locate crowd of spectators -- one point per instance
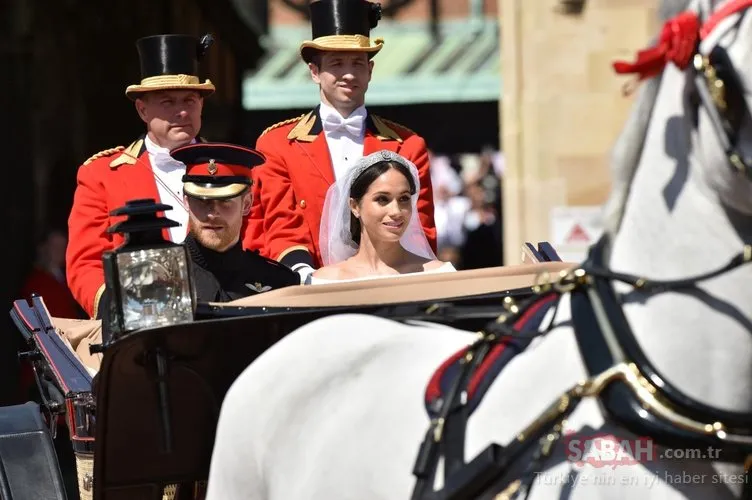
(468, 208)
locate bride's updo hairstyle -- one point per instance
(364, 180)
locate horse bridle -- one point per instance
(716, 82)
(720, 92)
(490, 474)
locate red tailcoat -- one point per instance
(105, 181)
(290, 188)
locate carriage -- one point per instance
(670, 355)
(146, 404)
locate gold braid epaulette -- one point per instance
(391, 122)
(103, 153)
(283, 122)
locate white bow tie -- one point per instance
(165, 162)
(351, 125)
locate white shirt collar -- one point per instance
(161, 156)
(153, 148)
(326, 110)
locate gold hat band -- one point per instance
(359, 43)
(168, 82)
(214, 193)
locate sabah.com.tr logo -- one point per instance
(607, 450)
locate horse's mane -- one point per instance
(626, 153)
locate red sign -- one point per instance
(578, 235)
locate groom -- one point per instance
(305, 155)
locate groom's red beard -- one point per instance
(216, 235)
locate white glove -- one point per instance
(304, 270)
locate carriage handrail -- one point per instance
(543, 252)
(34, 323)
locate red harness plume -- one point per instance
(678, 42)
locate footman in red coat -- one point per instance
(169, 100)
(305, 155)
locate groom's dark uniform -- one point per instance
(234, 273)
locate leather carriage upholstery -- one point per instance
(29, 469)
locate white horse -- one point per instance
(335, 410)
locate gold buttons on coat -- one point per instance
(302, 203)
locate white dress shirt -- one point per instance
(344, 137)
(168, 172)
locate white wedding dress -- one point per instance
(447, 267)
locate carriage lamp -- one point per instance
(147, 277)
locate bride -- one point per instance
(370, 227)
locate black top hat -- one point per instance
(171, 62)
(342, 25)
(216, 171)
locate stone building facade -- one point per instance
(562, 105)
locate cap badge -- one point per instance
(212, 167)
(258, 287)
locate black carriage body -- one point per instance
(159, 391)
(150, 413)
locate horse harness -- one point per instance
(716, 84)
(632, 392)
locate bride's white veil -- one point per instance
(335, 241)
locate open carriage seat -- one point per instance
(166, 385)
(81, 334)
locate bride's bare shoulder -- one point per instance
(433, 264)
(328, 272)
